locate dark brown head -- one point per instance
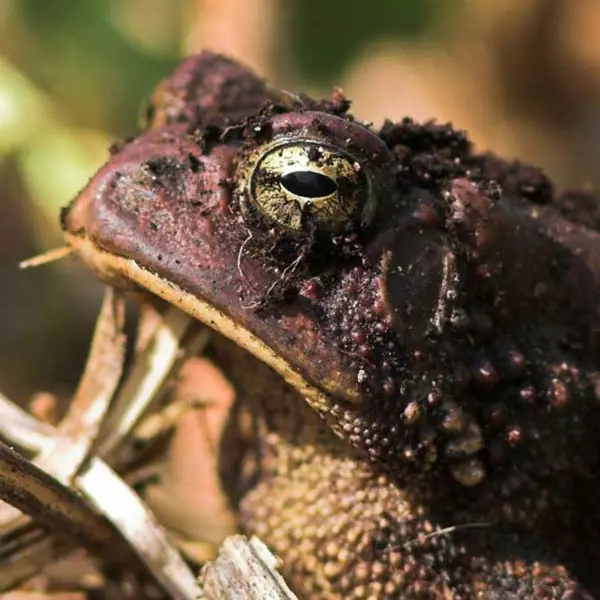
(368, 268)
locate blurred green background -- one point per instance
(523, 77)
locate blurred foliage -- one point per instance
(326, 36)
(98, 57)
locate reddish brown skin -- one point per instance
(465, 317)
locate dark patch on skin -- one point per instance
(195, 164)
(208, 137)
(479, 388)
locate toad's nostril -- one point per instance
(308, 184)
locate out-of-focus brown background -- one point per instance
(522, 76)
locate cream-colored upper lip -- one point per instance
(110, 266)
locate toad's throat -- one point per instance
(114, 269)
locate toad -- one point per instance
(412, 329)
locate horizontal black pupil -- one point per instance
(308, 184)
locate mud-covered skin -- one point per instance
(447, 350)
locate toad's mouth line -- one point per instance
(113, 267)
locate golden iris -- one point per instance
(295, 182)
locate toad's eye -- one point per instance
(295, 182)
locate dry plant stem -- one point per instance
(100, 486)
(104, 490)
(153, 366)
(32, 559)
(21, 557)
(244, 570)
(149, 321)
(13, 541)
(46, 257)
(109, 494)
(39, 495)
(79, 428)
(21, 429)
(61, 455)
(158, 423)
(25, 549)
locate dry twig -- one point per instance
(74, 495)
